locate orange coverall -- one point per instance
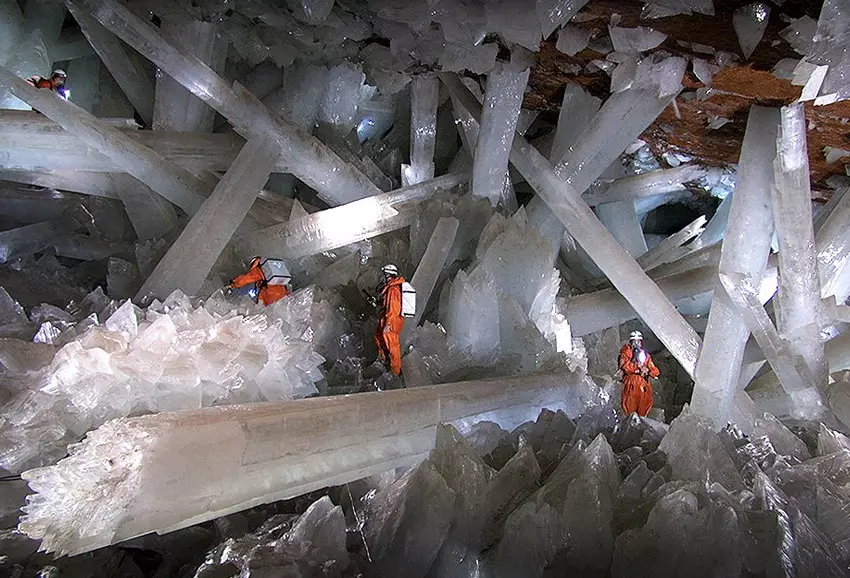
(390, 324)
(637, 391)
(268, 294)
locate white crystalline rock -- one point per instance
(830, 47)
(800, 34)
(30, 58)
(505, 302)
(577, 109)
(311, 11)
(343, 95)
(502, 103)
(423, 130)
(703, 70)
(173, 355)
(11, 28)
(555, 13)
(663, 8)
(638, 39)
(750, 22)
(833, 154)
(478, 59)
(515, 22)
(572, 39)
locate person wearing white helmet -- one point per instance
(55, 83)
(390, 319)
(637, 367)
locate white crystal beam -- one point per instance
(123, 64)
(791, 369)
(502, 103)
(622, 220)
(340, 226)
(578, 107)
(592, 312)
(833, 240)
(30, 239)
(745, 249)
(428, 271)
(669, 249)
(799, 285)
(646, 185)
(336, 181)
(163, 472)
(169, 180)
(189, 260)
(623, 271)
(175, 108)
(424, 92)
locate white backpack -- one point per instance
(408, 300)
(275, 272)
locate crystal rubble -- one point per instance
(228, 442)
(423, 130)
(125, 66)
(502, 102)
(572, 39)
(204, 355)
(340, 226)
(829, 48)
(799, 286)
(175, 108)
(429, 269)
(745, 250)
(577, 217)
(638, 39)
(308, 159)
(186, 264)
(174, 183)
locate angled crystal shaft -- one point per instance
(189, 260)
(212, 462)
(623, 271)
(428, 271)
(125, 66)
(645, 185)
(336, 181)
(340, 226)
(169, 180)
(668, 249)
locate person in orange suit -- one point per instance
(391, 322)
(637, 367)
(55, 83)
(254, 284)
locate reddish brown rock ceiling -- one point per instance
(735, 88)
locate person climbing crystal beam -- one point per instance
(266, 281)
(637, 367)
(397, 301)
(56, 83)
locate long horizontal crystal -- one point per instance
(34, 142)
(592, 312)
(340, 226)
(189, 260)
(169, 180)
(623, 271)
(429, 268)
(336, 181)
(791, 369)
(163, 472)
(124, 65)
(645, 185)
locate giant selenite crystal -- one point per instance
(745, 250)
(423, 130)
(799, 288)
(215, 461)
(174, 355)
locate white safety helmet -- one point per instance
(59, 72)
(636, 335)
(389, 269)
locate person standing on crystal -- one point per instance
(266, 281)
(397, 300)
(55, 83)
(637, 367)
